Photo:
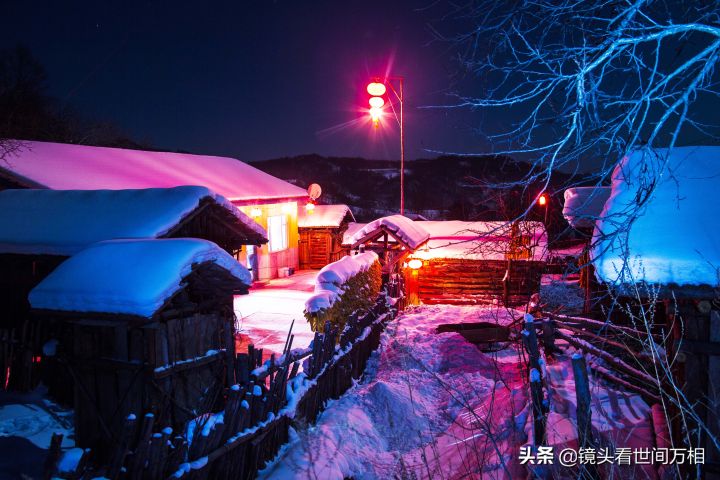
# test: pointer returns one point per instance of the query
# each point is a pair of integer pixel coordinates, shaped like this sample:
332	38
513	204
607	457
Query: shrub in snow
351	284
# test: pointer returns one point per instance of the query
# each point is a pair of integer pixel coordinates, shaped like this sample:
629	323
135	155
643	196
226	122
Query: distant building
270	201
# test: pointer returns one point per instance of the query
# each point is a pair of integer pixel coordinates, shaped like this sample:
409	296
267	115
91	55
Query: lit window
277	233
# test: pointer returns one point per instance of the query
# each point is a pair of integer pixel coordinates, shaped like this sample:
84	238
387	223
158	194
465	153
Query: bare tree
591	79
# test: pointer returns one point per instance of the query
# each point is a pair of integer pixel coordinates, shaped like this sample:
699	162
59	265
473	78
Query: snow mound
410	232
657	225
64	222
37	423
132	277
331	278
583	205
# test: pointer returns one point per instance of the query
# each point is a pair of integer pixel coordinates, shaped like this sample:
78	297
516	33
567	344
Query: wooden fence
20	350
269	398
619	347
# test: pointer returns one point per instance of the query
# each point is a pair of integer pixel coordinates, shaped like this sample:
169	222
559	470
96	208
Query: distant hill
442	188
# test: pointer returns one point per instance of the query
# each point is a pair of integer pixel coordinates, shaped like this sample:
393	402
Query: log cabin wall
320	246
695	326
175	367
462	282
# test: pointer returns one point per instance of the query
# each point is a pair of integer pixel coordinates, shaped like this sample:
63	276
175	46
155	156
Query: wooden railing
238	439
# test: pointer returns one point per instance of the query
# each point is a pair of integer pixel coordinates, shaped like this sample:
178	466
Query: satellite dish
314	191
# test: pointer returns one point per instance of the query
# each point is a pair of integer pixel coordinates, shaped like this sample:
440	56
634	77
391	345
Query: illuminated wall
270	262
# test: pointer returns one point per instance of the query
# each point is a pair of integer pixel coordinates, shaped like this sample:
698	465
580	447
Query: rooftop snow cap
404	229
583	205
63	222
60	166
480	240
324	216
657	226
133	277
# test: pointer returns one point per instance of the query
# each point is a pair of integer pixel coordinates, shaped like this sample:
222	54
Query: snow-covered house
656	225
321	232
40	228
270	201
475	262
658	229
137	323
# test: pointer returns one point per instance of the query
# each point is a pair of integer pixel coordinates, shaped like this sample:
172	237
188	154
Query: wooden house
270	201
41	228
477	262
321	232
141	326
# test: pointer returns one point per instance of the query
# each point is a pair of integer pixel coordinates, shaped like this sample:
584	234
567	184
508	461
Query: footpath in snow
430	405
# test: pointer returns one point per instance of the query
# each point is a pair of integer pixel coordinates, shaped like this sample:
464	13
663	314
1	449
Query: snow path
430	405
265	314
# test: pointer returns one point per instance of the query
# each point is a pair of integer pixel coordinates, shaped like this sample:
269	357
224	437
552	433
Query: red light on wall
415	263
542	200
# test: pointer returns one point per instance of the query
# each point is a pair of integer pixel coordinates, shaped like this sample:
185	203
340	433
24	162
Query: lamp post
543	202
377	90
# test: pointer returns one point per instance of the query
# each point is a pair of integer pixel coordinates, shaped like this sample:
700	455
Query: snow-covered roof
324	216
478	240
584	204
60	166
353	228
63	222
658	224
133	277
406	230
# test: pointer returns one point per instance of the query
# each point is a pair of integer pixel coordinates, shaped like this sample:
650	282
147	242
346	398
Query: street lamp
543	202
377	89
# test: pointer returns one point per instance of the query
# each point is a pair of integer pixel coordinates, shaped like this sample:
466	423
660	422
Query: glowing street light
376	114
377	89
376	102
543	202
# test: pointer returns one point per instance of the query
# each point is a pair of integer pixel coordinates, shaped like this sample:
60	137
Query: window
277	233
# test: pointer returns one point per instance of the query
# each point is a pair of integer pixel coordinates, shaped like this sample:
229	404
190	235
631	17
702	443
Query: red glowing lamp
542	200
376	89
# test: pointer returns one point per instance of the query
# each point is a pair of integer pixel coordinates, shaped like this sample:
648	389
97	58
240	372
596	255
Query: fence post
548	332
536	394
584	414
531	343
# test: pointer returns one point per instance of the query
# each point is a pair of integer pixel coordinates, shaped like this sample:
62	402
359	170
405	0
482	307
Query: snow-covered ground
265	314
430	405
27	423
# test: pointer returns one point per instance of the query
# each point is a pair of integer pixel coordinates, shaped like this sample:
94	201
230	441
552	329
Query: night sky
252	80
